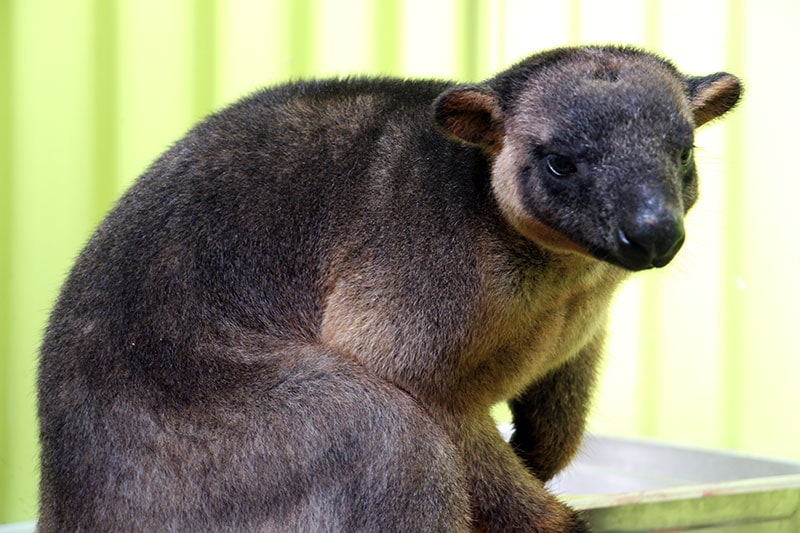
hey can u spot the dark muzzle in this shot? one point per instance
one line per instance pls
(649, 238)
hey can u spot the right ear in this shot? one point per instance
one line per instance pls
(472, 115)
(712, 96)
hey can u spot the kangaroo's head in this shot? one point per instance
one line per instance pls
(592, 148)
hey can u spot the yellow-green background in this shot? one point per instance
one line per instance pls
(705, 352)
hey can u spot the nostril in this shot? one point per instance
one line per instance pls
(633, 251)
(665, 257)
(625, 240)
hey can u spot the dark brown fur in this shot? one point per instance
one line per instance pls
(299, 318)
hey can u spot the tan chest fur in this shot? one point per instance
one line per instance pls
(529, 327)
(481, 347)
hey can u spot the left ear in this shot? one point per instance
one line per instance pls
(712, 96)
(472, 115)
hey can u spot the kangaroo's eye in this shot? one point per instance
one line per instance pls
(559, 165)
(686, 157)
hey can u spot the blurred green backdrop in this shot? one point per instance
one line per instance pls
(702, 353)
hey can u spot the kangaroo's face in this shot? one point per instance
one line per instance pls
(593, 153)
(603, 160)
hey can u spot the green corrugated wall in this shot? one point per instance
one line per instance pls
(705, 352)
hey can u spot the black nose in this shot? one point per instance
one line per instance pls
(650, 239)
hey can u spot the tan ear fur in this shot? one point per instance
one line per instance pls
(472, 115)
(713, 96)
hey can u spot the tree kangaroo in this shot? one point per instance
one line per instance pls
(299, 317)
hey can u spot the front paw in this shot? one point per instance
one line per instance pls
(580, 525)
(572, 522)
(558, 522)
